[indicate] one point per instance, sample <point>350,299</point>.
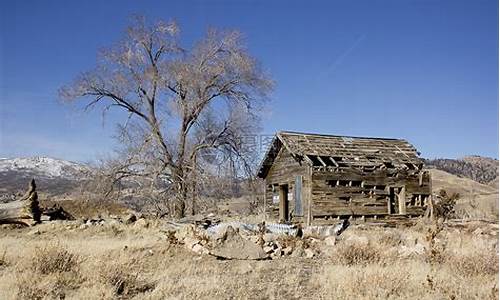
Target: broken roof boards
<point>343,176</point>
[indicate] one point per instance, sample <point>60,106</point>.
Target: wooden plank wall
<point>284,170</point>
<point>349,192</point>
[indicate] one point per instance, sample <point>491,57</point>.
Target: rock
<point>189,242</point>
<point>309,253</point>
<point>141,223</point>
<point>34,232</point>
<point>330,241</point>
<point>83,226</point>
<point>199,249</point>
<point>298,252</point>
<point>130,218</point>
<point>269,237</point>
<point>278,244</point>
<point>185,231</point>
<point>114,222</point>
<point>233,246</point>
<point>287,251</point>
<point>268,249</point>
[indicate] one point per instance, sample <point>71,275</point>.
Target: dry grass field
<point>115,261</point>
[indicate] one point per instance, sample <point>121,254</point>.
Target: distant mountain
<point>53,176</point>
<point>481,169</point>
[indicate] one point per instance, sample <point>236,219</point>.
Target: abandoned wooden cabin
<point>313,177</point>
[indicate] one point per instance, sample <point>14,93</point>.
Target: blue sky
<point>426,71</point>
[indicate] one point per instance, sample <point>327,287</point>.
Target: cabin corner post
<point>265,200</point>
<point>431,197</point>
<point>308,191</point>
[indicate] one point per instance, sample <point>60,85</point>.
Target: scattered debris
<point>237,240</point>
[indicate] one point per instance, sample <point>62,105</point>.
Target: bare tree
<point>183,105</point>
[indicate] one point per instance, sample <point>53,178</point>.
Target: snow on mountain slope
<point>42,166</point>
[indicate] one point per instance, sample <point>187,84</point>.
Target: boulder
<point>233,246</point>
<point>268,249</point>
<point>309,253</point>
<point>199,249</point>
<point>298,252</point>
<point>269,237</point>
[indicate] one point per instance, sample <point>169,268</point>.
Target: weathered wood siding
<point>285,170</point>
<point>347,192</point>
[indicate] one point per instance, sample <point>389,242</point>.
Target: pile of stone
<point>237,240</point>
<point>135,219</point>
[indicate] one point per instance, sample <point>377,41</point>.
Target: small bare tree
<point>183,106</point>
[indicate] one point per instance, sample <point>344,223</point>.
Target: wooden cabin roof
<point>341,151</point>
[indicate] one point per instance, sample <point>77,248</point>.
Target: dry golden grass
<point>127,262</point>
<point>357,254</point>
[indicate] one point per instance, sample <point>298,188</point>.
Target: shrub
<point>53,259</point>
<point>435,249</point>
<point>445,205</point>
<point>51,272</point>
<point>123,277</point>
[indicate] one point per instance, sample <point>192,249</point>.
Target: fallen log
<point>25,211</point>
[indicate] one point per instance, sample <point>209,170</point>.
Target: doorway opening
<point>283,209</point>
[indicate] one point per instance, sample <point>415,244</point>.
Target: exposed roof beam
<point>321,161</point>
<point>333,161</point>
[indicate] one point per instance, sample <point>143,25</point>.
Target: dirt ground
<point>63,259</point>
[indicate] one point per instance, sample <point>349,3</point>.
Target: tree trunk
<point>181,199</point>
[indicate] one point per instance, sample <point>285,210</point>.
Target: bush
<point>51,272</point>
<point>435,249</point>
<point>445,205</point>
<point>53,259</point>
<point>123,277</point>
